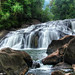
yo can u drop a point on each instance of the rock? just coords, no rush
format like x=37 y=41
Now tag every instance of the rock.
x=62 y=65
x=57 y=73
x=32 y=22
x=73 y=73
x=55 y=57
x=35 y=21
x=30 y=74
x=14 y=62
x=68 y=74
x=69 y=56
x=73 y=66
x=34 y=41
x=3 y=33
x=52 y=59
x=67 y=22
x=35 y=64
x=65 y=53
x=58 y=43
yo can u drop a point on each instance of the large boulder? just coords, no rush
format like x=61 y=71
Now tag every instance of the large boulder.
x=60 y=73
x=55 y=57
x=52 y=59
x=73 y=66
x=57 y=73
x=58 y=43
x=69 y=56
x=13 y=62
x=64 y=67
x=65 y=53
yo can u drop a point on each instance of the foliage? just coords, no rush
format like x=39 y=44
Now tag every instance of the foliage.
x=63 y=9
x=46 y=15
x=17 y=8
x=13 y=13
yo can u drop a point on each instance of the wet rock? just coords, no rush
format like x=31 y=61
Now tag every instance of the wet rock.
x=30 y=74
x=58 y=43
x=34 y=41
x=68 y=74
x=52 y=59
x=67 y=22
x=57 y=73
x=65 y=53
x=55 y=57
x=73 y=73
x=73 y=66
x=14 y=62
x=69 y=56
x=35 y=64
x=62 y=65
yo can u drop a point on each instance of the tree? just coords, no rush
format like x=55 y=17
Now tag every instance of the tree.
x=63 y=9
x=13 y=13
x=0 y=4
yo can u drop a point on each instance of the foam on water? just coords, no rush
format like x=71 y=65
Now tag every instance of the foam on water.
x=36 y=36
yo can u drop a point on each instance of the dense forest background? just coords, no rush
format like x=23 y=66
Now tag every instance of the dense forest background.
x=14 y=13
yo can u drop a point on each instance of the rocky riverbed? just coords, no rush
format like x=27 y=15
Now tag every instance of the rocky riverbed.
x=60 y=60
x=63 y=51
x=60 y=57
x=14 y=62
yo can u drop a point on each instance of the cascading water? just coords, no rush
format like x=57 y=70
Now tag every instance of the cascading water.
x=73 y=24
x=36 y=36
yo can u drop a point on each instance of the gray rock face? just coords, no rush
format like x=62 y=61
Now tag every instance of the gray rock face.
x=58 y=43
x=14 y=62
x=52 y=59
x=57 y=73
x=69 y=55
x=65 y=52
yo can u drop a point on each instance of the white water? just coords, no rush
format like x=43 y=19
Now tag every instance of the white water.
x=36 y=36
x=73 y=25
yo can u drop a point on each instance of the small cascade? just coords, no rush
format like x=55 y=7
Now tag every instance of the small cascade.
x=73 y=25
x=36 y=36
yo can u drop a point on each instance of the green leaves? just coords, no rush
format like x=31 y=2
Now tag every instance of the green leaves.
x=17 y=8
x=13 y=13
x=27 y=2
x=5 y=16
x=63 y=9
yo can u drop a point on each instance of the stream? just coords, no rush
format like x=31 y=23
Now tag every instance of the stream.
x=35 y=40
x=37 y=55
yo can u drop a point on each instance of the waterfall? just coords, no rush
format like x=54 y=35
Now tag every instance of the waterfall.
x=36 y=36
x=73 y=25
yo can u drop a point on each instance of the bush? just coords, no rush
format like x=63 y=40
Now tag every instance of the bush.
x=13 y=13
x=63 y=9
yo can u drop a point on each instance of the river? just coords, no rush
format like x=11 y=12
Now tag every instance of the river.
x=36 y=37
x=37 y=56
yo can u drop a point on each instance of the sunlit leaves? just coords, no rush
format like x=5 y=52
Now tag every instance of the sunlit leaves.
x=17 y=8
x=5 y=16
x=14 y=13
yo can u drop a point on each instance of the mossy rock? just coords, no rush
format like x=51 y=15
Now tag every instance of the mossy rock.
x=14 y=62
